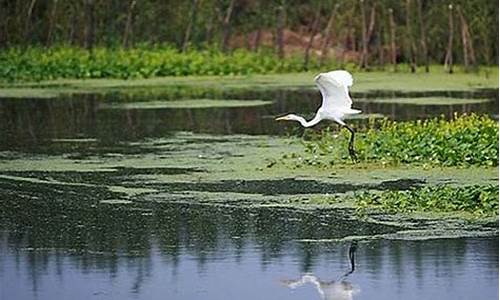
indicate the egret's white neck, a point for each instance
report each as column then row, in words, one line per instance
column 303, row 121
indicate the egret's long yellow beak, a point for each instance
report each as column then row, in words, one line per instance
column 280, row 119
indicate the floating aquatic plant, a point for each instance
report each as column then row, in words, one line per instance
column 462, row 141
column 36, row 63
column 478, row 200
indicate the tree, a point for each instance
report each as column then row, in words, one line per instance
column 468, row 49
column 363, row 29
column 128, row 25
column 423, row 36
column 192, row 20
column 410, row 44
column 280, row 25
column 226, row 26
column 314, row 31
column 89, row 24
column 328, row 34
column 392, row 26
column 448, row 60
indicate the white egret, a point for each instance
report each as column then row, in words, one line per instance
column 336, row 105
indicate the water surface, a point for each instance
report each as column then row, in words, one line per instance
column 62, row 250
column 117, row 117
column 101, row 198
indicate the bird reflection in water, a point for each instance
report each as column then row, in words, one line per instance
column 339, row 289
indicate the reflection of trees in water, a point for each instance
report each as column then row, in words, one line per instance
column 31, row 122
column 447, row 257
column 105, row 237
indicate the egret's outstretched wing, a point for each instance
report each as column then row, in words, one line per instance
column 334, row 86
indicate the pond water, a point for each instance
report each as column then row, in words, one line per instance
column 72, row 249
column 120, row 117
column 96, row 201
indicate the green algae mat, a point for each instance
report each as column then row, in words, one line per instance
column 213, row 141
column 238, row 170
column 364, row 82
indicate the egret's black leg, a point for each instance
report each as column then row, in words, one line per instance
column 352, row 153
column 352, row 250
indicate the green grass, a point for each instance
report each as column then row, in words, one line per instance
column 475, row 200
column 463, row 141
column 142, row 62
column 106, row 68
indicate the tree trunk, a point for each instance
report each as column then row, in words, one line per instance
column 369, row 34
column 469, row 55
column 192, row 20
column 314, row 30
column 464, row 44
column 410, row 44
column 52, row 19
column 16, row 28
column 73, row 23
column 226, row 25
column 210, row 26
column 448, row 60
column 27, row 26
column 364, row 40
column 328, row 35
column 423, row 36
column 371, row 26
column 128, row 25
column 256, row 40
column 4, row 13
column 380, row 41
column 280, row 25
column 89, row 24
column 392, row 26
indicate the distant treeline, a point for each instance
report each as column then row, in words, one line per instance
column 369, row 32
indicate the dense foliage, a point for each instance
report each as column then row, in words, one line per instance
column 256, row 23
column 69, row 62
column 478, row 200
column 462, row 141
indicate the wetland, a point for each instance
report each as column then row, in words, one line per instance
column 188, row 190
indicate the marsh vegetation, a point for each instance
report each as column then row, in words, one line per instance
column 462, row 141
column 400, row 35
column 108, row 174
column 140, row 156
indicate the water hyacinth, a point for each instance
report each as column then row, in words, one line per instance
column 36, row 63
column 478, row 200
column 462, row 141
